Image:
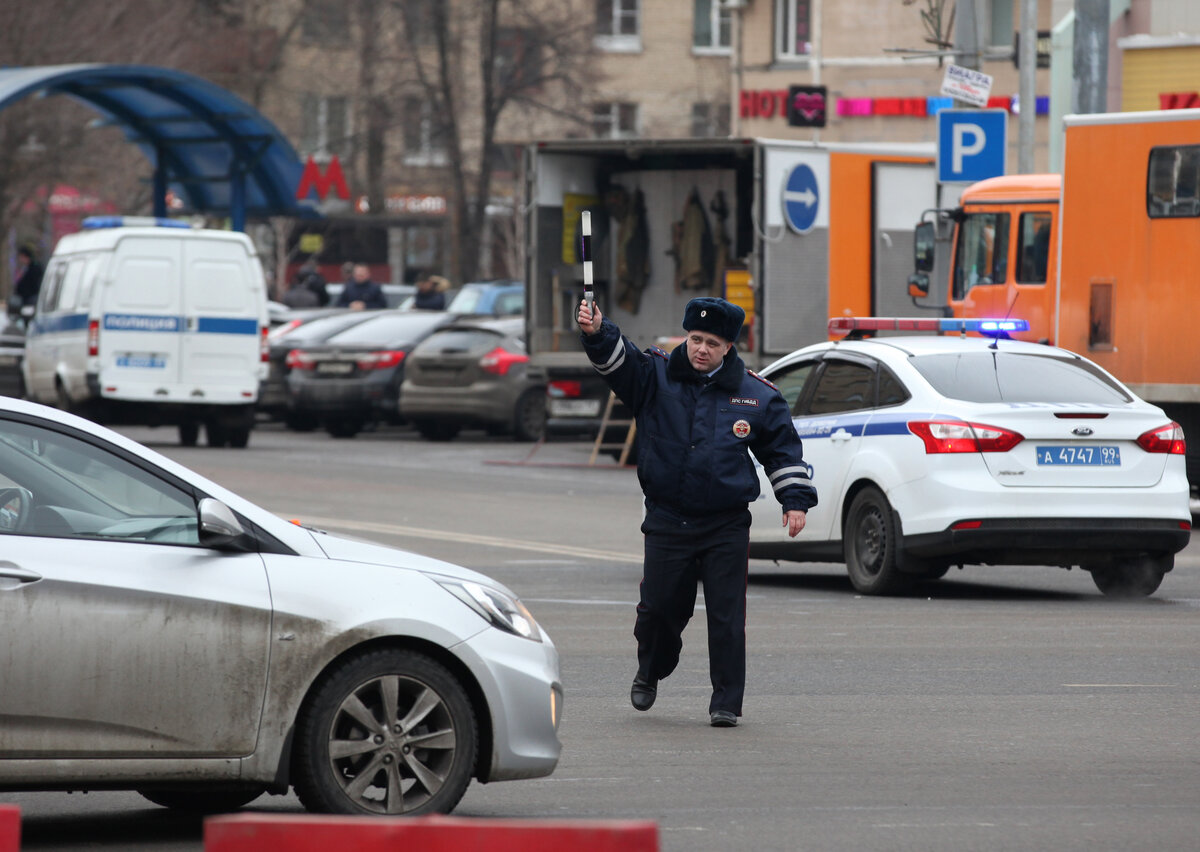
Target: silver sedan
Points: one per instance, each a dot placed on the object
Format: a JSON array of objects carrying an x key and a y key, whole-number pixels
[{"x": 164, "y": 635}]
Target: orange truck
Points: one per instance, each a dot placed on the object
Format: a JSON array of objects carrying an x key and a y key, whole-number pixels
[{"x": 1103, "y": 260}]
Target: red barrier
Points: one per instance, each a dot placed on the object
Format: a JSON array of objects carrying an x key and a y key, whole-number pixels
[
  {"x": 10, "y": 828},
  {"x": 314, "y": 833}
]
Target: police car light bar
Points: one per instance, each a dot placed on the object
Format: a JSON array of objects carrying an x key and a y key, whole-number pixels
[
  {"x": 96, "y": 222},
  {"x": 859, "y": 326}
]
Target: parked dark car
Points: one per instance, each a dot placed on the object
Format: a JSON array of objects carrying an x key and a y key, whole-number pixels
[
  {"x": 12, "y": 353},
  {"x": 353, "y": 378},
  {"x": 300, "y": 328},
  {"x": 473, "y": 374}
]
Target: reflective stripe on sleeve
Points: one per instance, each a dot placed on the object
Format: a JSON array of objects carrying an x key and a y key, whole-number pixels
[{"x": 615, "y": 360}]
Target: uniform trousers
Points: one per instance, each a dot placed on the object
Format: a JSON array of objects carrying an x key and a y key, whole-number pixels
[{"x": 679, "y": 553}]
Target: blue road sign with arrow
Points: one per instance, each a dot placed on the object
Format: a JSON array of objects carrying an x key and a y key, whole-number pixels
[{"x": 801, "y": 199}]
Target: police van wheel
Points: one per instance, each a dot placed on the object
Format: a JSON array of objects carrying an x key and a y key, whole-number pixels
[
  {"x": 189, "y": 433},
  {"x": 63, "y": 399},
  {"x": 239, "y": 437},
  {"x": 216, "y": 434},
  {"x": 872, "y": 547}
]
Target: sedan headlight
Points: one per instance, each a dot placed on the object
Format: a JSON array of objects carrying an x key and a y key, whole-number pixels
[{"x": 500, "y": 609}]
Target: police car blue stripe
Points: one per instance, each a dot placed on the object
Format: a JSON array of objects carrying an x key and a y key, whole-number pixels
[
  {"x": 64, "y": 322},
  {"x": 226, "y": 325},
  {"x": 859, "y": 425}
]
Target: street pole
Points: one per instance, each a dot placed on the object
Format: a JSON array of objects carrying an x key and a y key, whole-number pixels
[
  {"x": 1026, "y": 86},
  {"x": 735, "y": 59},
  {"x": 1090, "y": 91}
]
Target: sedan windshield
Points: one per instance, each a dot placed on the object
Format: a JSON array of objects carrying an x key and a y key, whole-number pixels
[{"x": 998, "y": 376}]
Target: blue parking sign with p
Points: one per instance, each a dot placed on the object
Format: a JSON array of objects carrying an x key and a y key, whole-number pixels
[{"x": 972, "y": 144}]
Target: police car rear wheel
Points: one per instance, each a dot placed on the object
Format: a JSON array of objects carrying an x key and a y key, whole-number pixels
[
  {"x": 1134, "y": 577},
  {"x": 871, "y": 544}
]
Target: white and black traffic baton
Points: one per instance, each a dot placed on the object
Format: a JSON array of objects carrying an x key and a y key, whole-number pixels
[{"x": 586, "y": 230}]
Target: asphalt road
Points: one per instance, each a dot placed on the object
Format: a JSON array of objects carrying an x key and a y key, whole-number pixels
[{"x": 1000, "y": 708}]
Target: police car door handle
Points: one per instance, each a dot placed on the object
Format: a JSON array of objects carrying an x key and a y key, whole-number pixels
[
  {"x": 12, "y": 577},
  {"x": 840, "y": 435}
]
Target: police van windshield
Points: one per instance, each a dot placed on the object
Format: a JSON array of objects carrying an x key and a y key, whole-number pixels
[{"x": 999, "y": 376}]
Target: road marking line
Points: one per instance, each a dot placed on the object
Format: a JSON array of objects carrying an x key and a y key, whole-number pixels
[
  {"x": 469, "y": 538},
  {"x": 1116, "y": 685}
]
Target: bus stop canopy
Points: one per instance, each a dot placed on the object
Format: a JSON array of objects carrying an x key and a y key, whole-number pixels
[{"x": 217, "y": 153}]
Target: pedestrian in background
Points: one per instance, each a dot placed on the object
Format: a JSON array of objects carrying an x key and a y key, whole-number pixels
[
  {"x": 28, "y": 281},
  {"x": 698, "y": 412},
  {"x": 360, "y": 292},
  {"x": 431, "y": 293}
]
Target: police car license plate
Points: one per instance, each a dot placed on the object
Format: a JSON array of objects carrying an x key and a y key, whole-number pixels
[
  {"x": 574, "y": 407},
  {"x": 335, "y": 368},
  {"x": 1095, "y": 456},
  {"x": 141, "y": 360}
]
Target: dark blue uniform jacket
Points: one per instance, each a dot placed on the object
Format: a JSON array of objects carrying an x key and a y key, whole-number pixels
[{"x": 694, "y": 431}]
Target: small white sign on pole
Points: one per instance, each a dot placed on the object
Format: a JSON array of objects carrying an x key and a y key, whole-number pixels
[{"x": 967, "y": 84}]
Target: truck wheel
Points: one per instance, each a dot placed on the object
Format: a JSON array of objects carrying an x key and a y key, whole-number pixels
[
  {"x": 872, "y": 546},
  {"x": 529, "y": 416},
  {"x": 386, "y": 732},
  {"x": 1133, "y": 577},
  {"x": 189, "y": 433}
]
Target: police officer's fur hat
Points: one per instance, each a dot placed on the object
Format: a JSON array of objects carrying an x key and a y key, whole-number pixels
[{"x": 716, "y": 316}]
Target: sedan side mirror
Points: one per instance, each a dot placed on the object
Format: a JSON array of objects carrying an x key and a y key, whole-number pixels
[{"x": 219, "y": 527}]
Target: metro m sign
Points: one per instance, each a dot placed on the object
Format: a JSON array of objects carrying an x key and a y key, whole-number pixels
[{"x": 313, "y": 179}]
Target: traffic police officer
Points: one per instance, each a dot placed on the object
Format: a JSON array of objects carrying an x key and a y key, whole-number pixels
[{"x": 698, "y": 411}]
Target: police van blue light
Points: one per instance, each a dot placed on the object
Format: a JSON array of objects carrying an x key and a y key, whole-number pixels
[{"x": 96, "y": 222}]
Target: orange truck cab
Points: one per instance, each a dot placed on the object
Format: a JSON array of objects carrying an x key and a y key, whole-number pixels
[{"x": 1104, "y": 260}]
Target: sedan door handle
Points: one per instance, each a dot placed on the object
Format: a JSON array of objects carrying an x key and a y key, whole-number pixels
[
  {"x": 840, "y": 435},
  {"x": 10, "y": 573}
]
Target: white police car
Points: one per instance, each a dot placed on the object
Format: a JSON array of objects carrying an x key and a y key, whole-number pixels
[{"x": 933, "y": 451}]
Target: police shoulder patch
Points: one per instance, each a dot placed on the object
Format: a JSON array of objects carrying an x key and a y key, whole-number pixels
[
  {"x": 654, "y": 350},
  {"x": 761, "y": 379}
]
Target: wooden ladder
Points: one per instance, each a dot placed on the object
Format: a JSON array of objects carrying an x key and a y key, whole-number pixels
[{"x": 605, "y": 422}]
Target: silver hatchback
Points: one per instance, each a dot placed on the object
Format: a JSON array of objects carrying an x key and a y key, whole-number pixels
[{"x": 164, "y": 635}]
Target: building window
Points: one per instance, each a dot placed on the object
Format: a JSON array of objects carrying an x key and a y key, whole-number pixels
[
  {"x": 325, "y": 125},
  {"x": 424, "y": 137},
  {"x": 615, "y": 121},
  {"x": 326, "y": 21},
  {"x": 518, "y": 58},
  {"x": 793, "y": 29},
  {"x": 618, "y": 25},
  {"x": 710, "y": 120},
  {"x": 710, "y": 27},
  {"x": 1001, "y": 24}
]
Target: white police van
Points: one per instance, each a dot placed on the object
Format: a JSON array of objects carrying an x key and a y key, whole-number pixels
[{"x": 150, "y": 322}]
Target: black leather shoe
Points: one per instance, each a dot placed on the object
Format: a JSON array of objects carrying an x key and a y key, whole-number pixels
[
  {"x": 722, "y": 719},
  {"x": 643, "y": 693}
]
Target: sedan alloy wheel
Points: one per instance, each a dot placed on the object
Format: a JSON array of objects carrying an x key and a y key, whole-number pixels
[{"x": 389, "y": 732}]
